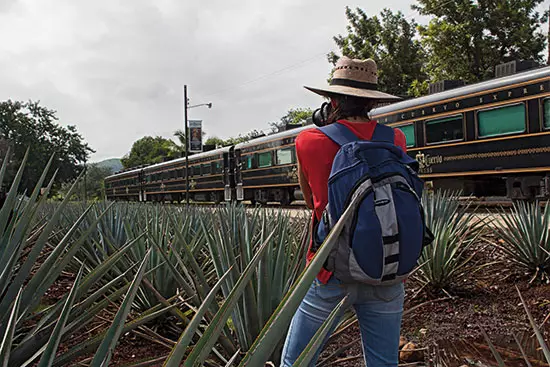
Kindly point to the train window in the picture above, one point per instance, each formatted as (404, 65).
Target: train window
(501, 120)
(408, 130)
(249, 164)
(206, 169)
(217, 167)
(546, 107)
(444, 129)
(265, 159)
(284, 156)
(196, 170)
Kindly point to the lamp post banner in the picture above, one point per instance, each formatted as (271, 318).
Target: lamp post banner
(195, 136)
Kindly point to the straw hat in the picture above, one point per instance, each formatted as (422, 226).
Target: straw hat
(357, 78)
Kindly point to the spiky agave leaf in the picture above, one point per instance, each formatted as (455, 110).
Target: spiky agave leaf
(105, 350)
(274, 330)
(455, 230)
(526, 235)
(51, 348)
(315, 343)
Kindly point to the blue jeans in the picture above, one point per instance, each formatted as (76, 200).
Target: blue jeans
(379, 310)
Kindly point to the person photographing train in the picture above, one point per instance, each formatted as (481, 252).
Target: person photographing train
(351, 95)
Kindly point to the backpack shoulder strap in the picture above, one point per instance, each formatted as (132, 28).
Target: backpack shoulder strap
(338, 133)
(383, 134)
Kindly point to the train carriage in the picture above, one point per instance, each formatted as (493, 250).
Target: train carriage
(266, 169)
(167, 181)
(126, 186)
(486, 139)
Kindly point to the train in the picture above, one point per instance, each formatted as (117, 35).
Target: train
(488, 139)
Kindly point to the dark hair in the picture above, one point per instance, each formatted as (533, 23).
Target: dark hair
(349, 106)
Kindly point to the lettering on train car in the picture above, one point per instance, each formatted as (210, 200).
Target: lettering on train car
(426, 161)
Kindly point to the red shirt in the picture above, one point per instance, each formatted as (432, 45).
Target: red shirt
(315, 153)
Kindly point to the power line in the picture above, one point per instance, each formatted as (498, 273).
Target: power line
(265, 76)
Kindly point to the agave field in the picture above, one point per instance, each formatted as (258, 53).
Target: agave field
(136, 284)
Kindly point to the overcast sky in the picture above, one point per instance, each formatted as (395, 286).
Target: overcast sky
(116, 69)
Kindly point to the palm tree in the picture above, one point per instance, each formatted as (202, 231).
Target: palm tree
(180, 134)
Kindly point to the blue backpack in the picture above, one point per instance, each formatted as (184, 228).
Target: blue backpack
(383, 240)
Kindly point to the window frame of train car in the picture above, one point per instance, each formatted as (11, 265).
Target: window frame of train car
(206, 169)
(544, 122)
(500, 107)
(408, 124)
(292, 151)
(271, 161)
(444, 119)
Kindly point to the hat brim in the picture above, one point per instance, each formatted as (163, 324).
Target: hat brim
(356, 92)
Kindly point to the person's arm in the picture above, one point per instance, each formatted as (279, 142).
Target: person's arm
(304, 186)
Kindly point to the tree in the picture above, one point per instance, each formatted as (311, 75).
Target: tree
(294, 116)
(28, 125)
(215, 141)
(390, 40)
(92, 187)
(180, 134)
(149, 150)
(466, 38)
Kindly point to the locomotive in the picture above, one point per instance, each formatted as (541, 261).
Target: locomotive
(485, 139)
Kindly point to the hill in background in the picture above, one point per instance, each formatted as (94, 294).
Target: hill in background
(114, 164)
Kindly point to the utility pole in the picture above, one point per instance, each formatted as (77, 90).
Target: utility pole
(548, 37)
(185, 105)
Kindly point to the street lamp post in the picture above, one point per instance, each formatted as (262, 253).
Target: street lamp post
(185, 108)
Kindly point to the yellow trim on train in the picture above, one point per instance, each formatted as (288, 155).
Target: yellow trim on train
(486, 172)
(456, 112)
(509, 137)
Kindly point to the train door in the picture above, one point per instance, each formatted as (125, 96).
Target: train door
(228, 175)
(238, 176)
(141, 179)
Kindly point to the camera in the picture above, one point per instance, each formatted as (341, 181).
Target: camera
(320, 115)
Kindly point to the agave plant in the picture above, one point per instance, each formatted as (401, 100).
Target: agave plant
(525, 233)
(28, 330)
(456, 228)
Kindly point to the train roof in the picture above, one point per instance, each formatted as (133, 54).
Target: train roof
(265, 139)
(496, 83)
(173, 161)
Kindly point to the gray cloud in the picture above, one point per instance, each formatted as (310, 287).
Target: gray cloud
(116, 69)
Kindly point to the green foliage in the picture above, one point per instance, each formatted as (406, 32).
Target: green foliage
(390, 40)
(276, 327)
(28, 124)
(26, 329)
(450, 256)
(194, 250)
(218, 142)
(525, 233)
(149, 150)
(215, 141)
(92, 186)
(113, 164)
(294, 116)
(465, 39)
